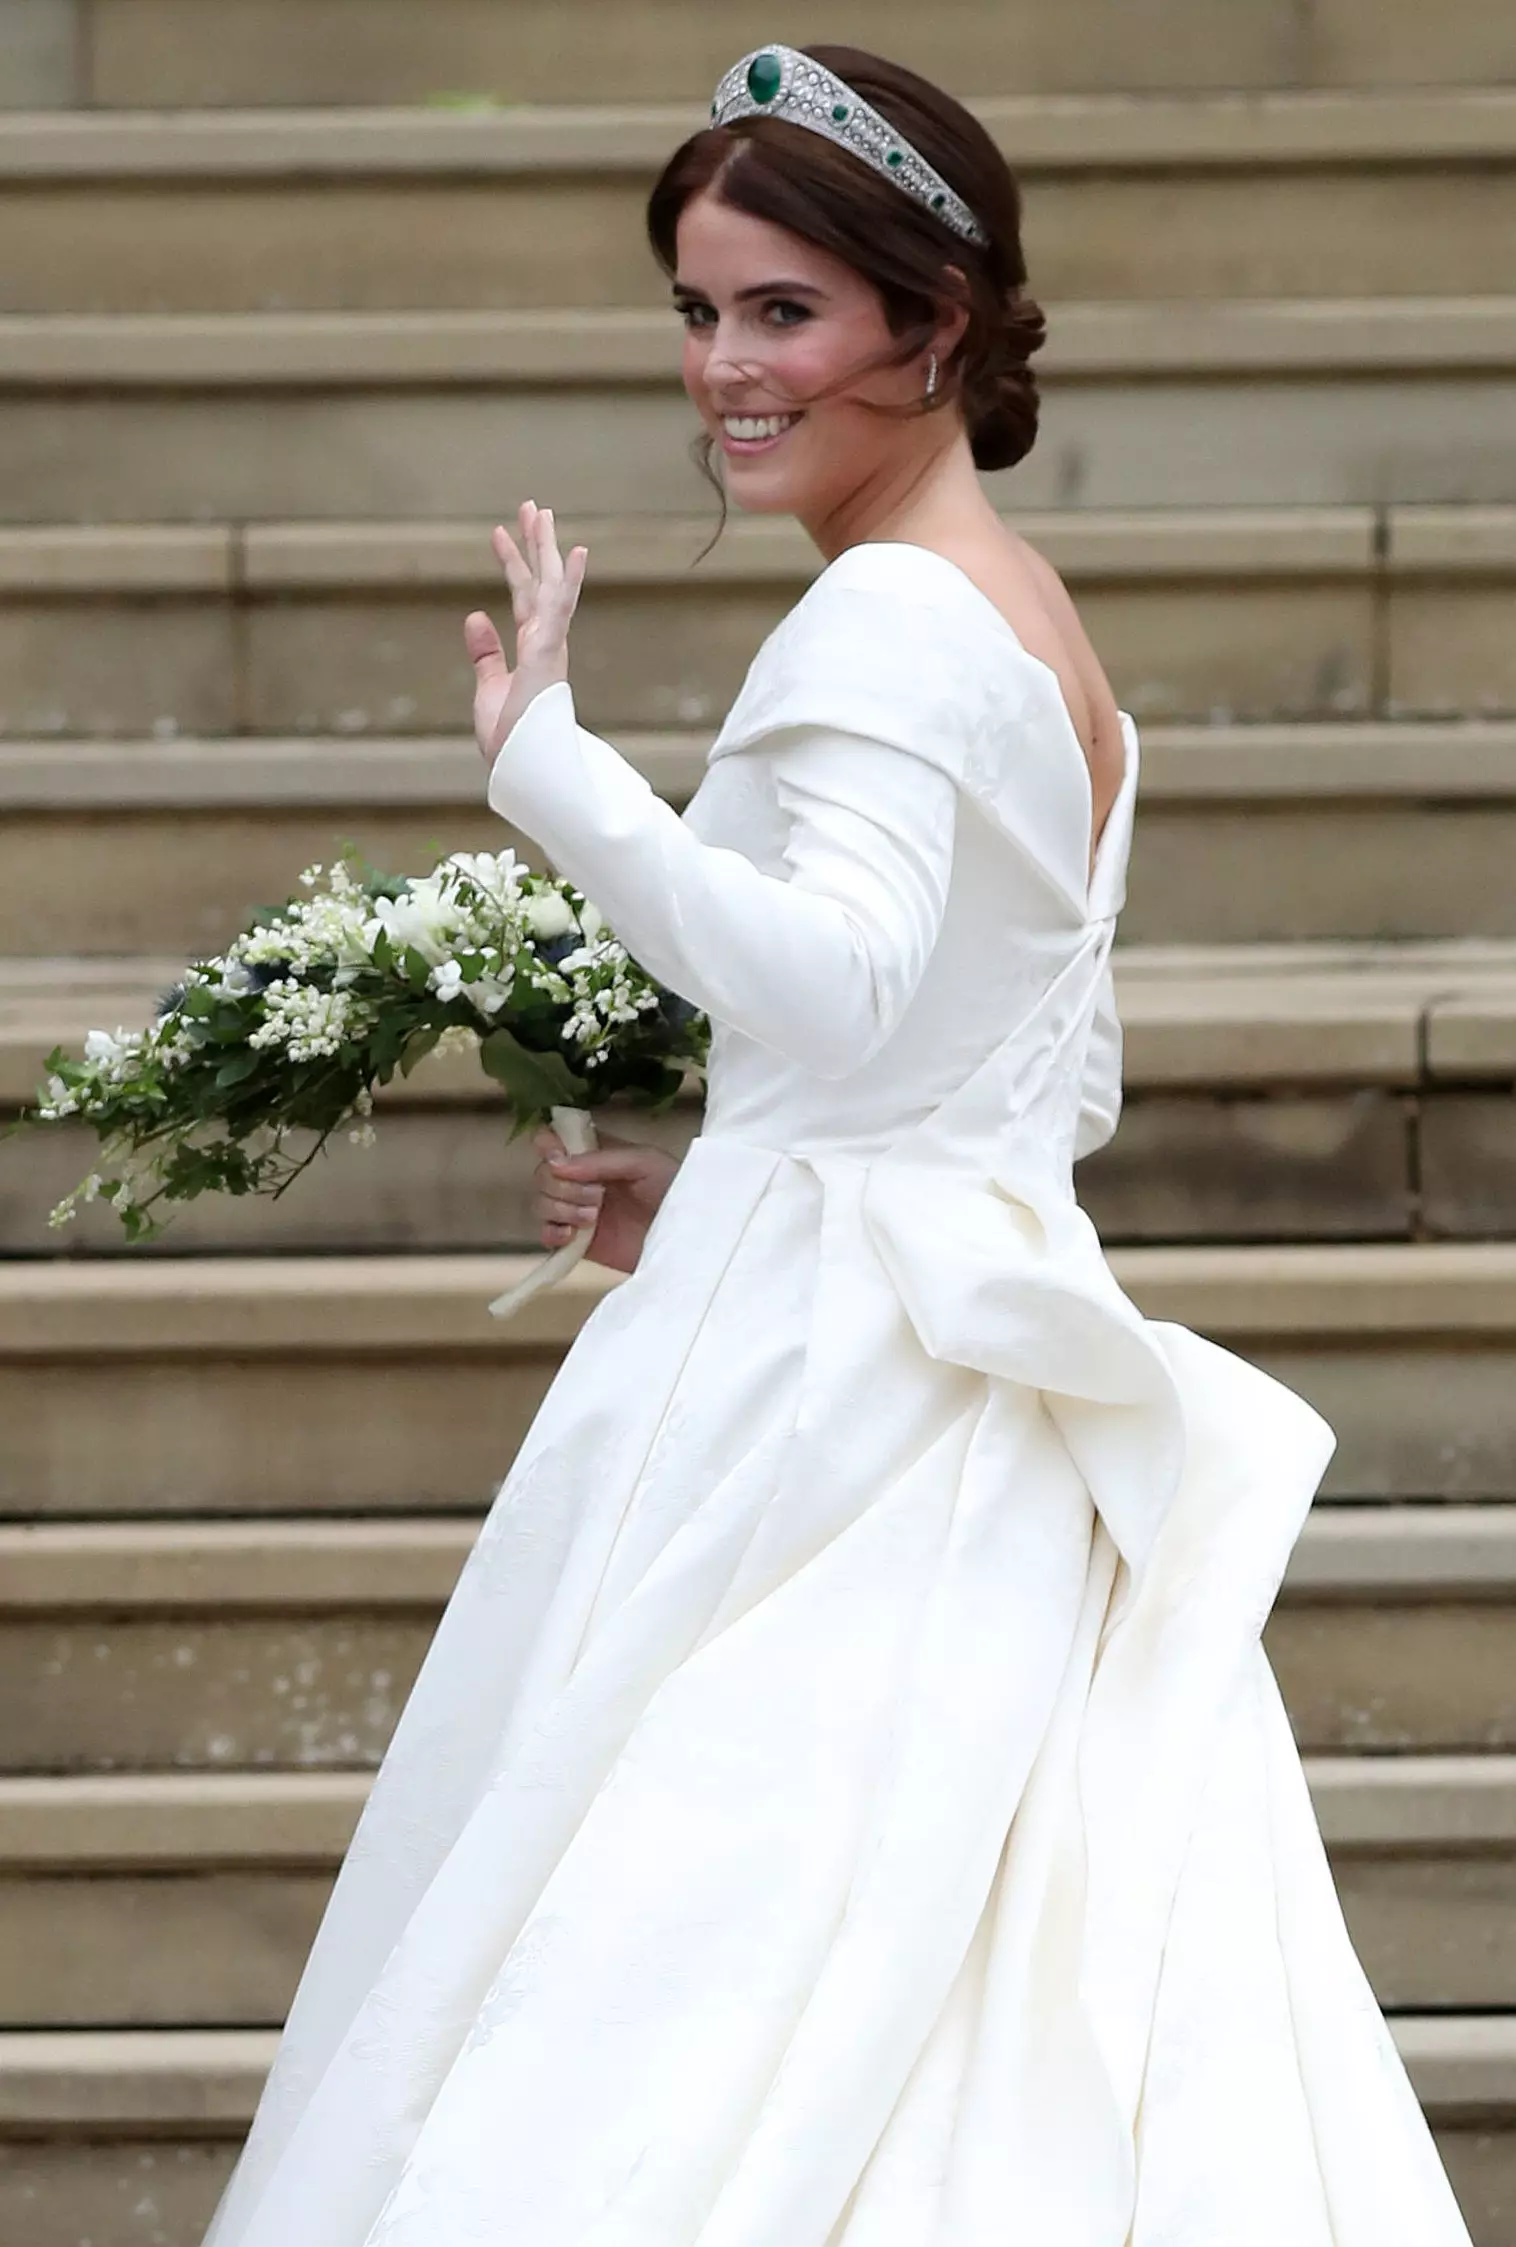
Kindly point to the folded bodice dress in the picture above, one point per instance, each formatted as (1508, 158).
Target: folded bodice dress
(846, 1803)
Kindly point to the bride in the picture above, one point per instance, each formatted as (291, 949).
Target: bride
(846, 1803)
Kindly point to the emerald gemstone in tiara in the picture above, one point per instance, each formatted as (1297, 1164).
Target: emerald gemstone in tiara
(894, 159)
(765, 76)
(839, 113)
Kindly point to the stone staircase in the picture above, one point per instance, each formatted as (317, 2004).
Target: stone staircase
(281, 332)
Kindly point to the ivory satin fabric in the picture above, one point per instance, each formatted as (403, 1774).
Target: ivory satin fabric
(846, 1803)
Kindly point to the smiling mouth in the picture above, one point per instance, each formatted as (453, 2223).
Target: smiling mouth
(755, 433)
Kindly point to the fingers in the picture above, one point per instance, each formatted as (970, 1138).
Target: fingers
(532, 562)
(607, 1164)
(519, 575)
(485, 650)
(546, 559)
(560, 1205)
(562, 1202)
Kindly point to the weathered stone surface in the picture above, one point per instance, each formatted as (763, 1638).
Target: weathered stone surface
(171, 878)
(1169, 438)
(113, 666)
(574, 236)
(142, 247)
(1468, 1165)
(1389, 1675)
(132, 2193)
(1121, 236)
(103, 1693)
(643, 656)
(148, 53)
(40, 42)
(1411, 1422)
(1433, 1929)
(1210, 873)
(271, 1435)
(179, 883)
(1451, 649)
(162, 1948)
(1263, 1169)
(1480, 2158)
(1398, 42)
(1471, 1036)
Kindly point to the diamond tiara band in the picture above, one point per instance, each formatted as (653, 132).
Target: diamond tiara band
(782, 82)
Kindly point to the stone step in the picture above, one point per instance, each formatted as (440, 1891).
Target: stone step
(252, 416)
(227, 1645)
(1166, 196)
(159, 54)
(292, 1645)
(1273, 1092)
(352, 628)
(123, 2138)
(1246, 833)
(190, 1899)
(380, 1384)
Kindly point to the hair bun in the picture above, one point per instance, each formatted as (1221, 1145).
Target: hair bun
(1001, 413)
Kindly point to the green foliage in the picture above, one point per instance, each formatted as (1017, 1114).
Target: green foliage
(260, 1056)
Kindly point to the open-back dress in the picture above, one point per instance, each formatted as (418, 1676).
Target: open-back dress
(847, 1803)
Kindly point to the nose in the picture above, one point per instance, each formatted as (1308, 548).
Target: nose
(725, 373)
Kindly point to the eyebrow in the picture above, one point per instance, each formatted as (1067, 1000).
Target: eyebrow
(763, 288)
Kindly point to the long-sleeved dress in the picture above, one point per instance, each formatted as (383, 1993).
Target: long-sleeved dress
(846, 1803)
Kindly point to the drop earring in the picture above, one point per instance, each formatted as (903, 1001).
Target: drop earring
(931, 377)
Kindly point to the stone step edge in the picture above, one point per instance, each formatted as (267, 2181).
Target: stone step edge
(1043, 133)
(268, 1821)
(1369, 760)
(202, 2083)
(1377, 543)
(268, 1566)
(1316, 1294)
(1052, 131)
(1233, 1018)
(616, 348)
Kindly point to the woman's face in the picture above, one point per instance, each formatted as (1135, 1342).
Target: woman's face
(772, 322)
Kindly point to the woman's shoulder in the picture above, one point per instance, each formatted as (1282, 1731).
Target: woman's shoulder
(886, 641)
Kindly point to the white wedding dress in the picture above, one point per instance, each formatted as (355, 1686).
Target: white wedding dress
(846, 1803)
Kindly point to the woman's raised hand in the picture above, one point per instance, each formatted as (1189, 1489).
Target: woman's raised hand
(617, 1189)
(544, 594)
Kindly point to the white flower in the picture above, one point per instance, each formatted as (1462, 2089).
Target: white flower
(58, 1101)
(446, 979)
(423, 919)
(309, 1024)
(549, 914)
(106, 1046)
(488, 994)
(497, 874)
(591, 920)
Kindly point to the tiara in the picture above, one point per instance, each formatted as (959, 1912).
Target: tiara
(782, 82)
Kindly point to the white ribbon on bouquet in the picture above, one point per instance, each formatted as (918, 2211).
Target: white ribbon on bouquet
(576, 1128)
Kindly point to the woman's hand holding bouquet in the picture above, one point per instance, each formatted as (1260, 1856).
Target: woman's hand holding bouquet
(616, 1190)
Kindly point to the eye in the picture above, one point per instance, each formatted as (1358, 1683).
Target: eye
(695, 314)
(784, 312)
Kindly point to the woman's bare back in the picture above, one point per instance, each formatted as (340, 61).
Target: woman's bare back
(1037, 605)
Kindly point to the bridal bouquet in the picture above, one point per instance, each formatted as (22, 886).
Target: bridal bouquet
(257, 1057)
